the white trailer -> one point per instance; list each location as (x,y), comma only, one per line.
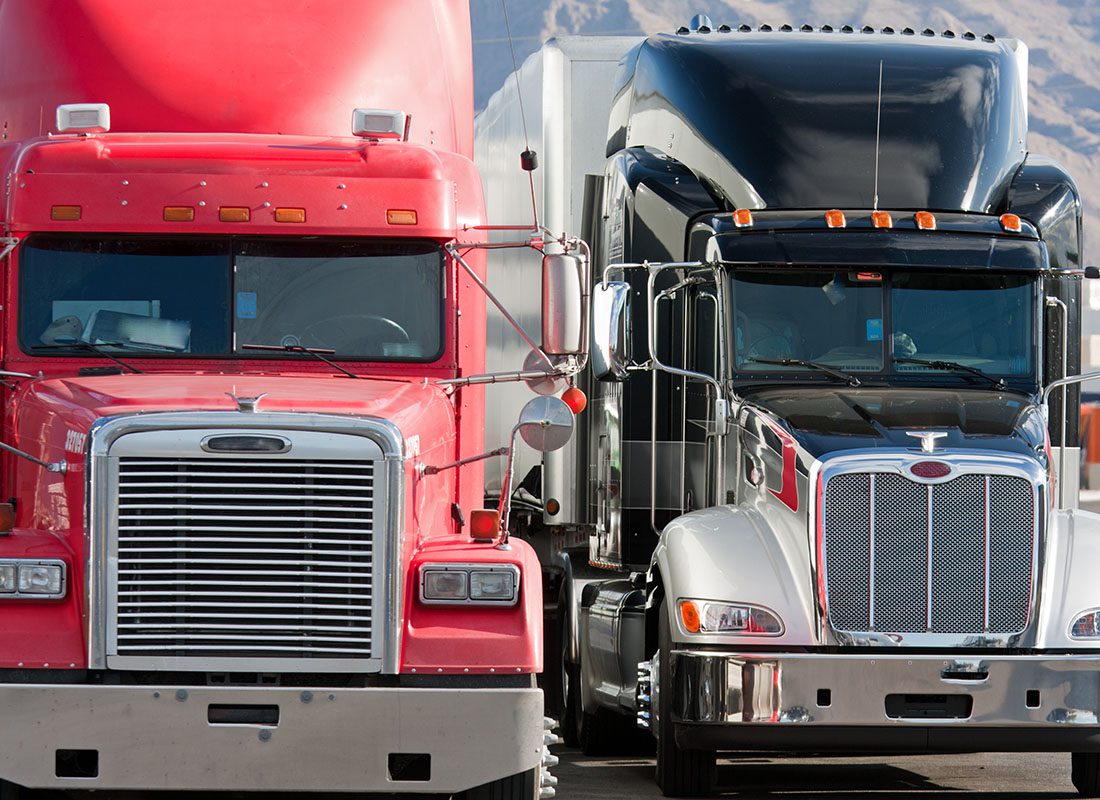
(557,105)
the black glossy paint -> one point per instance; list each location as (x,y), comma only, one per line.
(788,120)
(828,420)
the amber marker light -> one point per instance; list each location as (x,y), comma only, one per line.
(834,218)
(1011,223)
(689,615)
(401,216)
(290,215)
(742,218)
(484,524)
(66,213)
(7,518)
(926,220)
(882,219)
(234,214)
(179,214)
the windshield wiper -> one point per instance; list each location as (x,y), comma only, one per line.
(89,346)
(851,380)
(953,366)
(317,352)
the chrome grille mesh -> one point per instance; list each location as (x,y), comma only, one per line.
(245,557)
(909,557)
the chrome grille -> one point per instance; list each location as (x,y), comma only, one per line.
(245,557)
(909,557)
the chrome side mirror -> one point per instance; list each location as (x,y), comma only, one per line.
(545,423)
(610,330)
(563,304)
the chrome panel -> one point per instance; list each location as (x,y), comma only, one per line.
(173,433)
(979,574)
(327,740)
(733,689)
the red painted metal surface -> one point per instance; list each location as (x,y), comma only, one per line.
(249,104)
(247,66)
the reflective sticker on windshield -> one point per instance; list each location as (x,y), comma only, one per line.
(246,305)
(874,330)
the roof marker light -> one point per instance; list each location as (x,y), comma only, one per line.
(401,216)
(290,215)
(834,218)
(926,220)
(1011,223)
(179,214)
(742,218)
(882,219)
(83,118)
(234,214)
(66,213)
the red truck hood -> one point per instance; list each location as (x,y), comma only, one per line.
(74,403)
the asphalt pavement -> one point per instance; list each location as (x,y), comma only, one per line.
(990,776)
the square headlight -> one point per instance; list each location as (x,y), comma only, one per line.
(41,579)
(7,578)
(496,584)
(444,584)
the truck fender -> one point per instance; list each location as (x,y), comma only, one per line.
(1069,586)
(733,554)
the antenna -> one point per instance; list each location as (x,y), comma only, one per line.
(528,159)
(878,131)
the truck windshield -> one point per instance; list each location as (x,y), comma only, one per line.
(377,300)
(957,325)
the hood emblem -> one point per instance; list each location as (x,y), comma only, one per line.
(247,405)
(928,439)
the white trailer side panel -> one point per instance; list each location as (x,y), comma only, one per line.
(566,94)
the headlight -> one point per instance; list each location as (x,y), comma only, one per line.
(469,584)
(708,616)
(1086,626)
(32,579)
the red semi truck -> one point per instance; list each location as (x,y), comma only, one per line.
(242,320)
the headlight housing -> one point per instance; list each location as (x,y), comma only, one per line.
(32,579)
(469,584)
(710,616)
(1086,626)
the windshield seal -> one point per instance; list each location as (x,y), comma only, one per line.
(202,298)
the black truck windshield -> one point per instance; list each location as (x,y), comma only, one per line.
(962,324)
(378,300)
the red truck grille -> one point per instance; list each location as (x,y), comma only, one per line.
(245,558)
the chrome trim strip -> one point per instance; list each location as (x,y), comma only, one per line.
(986,615)
(928,575)
(871,558)
(101,514)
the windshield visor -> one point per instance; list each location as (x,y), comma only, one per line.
(377,301)
(860,321)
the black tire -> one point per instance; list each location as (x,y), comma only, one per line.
(521,786)
(680,773)
(571,713)
(566,689)
(1086,774)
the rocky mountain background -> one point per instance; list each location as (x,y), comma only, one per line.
(1063,37)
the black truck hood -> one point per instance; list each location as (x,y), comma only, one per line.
(829,419)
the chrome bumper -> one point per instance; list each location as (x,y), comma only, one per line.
(896,702)
(325,740)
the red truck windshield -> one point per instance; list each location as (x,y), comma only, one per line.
(377,300)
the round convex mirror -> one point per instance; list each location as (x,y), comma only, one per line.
(546,423)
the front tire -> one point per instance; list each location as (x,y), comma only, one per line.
(521,786)
(680,773)
(1086,774)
